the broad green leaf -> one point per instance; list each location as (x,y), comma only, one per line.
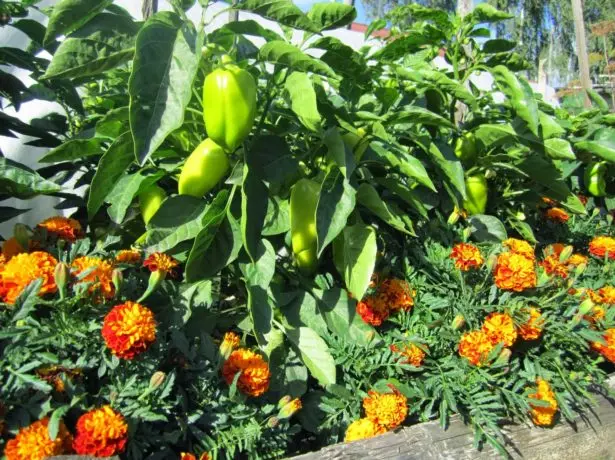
(402,191)
(549,127)
(335,204)
(179,218)
(401,47)
(356,249)
(338,153)
(277,219)
(55,419)
(113,123)
(438,80)
(485,13)
(254,198)
(597,99)
(498,45)
(287,55)
(16,180)
(559,149)
(303,311)
(8,213)
(603,144)
(343,59)
(102,44)
(166,61)
(211,222)
(69,15)
(406,163)
(416,115)
(487,228)
(449,164)
(303,100)
(520,94)
(368,196)
(74,149)
(314,353)
(329,16)
(524,229)
(284,12)
(111,167)
(271,159)
(249,27)
(125,190)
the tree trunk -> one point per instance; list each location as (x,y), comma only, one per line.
(149,8)
(579,26)
(233,15)
(464,7)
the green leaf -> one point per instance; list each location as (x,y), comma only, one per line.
(487,228)
(302,310)
(403,192)
(69,15)
(550,128)
(284,12)
(602,146)
(271,159)
(498,45)
(415,115)
(277,219)
(343,59)
(178,219)
(211,222)
(329,16)
(250,27)
(27,300)
(74,149)
(338,153)
(597,99)
(335,204)
(160,86)
(111,167)
(287,55)
(439,80)
(18,181)
(368,196)
(102,44)
(315,354)
(356,250)
(520,94)
(303,100)
(254,198)
(524,229)
(55,419)
(125,190)
(113,123)
(405,163)
(485,13)
(559,149)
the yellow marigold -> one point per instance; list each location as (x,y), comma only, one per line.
(128,256)
(499,327)
(22,269)
(514,272)
(532,329)
(254,377)
(62,228)
(129,329)
(597,313)
(413,354)
(229,343)
(99,273)
(475,346)
(33,442)
(603,246)
(386,409)
(397,294)
(577,259)
(101,432)
(543,415)
(466,256)
(607,295)
(520,247)
(557,215)
(553,266)
(606,349)
(362,429)
(12,247)
(160,262)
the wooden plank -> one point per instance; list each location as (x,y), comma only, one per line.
(591,437)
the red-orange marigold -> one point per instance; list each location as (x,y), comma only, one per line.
(33,442)
(603,246)
(520,247)
(413,354)
(606,349)
(514,272)
(129,329)
(254,378)
(21,270)
(160,262)
(557,215)
(101,433)
(128,256)
(553,266)
(396,294)
(373,310)
(532,329)
(99,274)
(11,248)
(466,256)
(500,328)
(62,228)
(475,346)
(607,295)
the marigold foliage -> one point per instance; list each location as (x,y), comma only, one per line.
(22,270)
(363,428)
(129,329)
(254,377)
(33,442)
(466,256)
(102,432)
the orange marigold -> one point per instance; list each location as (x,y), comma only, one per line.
(597,313)
(362,429)
(101,432)
(33,442)
(128,256)
(532,329)
(557,215)
(475,346)
(396,294)
(129,329)
(553,266)
(386,409)
(255,375)
(520,247)
(499,327)
(577,259)
(160,262)
(22,269)
(96,271)
(62,228)
(413,354)
(543,415)
(603,246)
(607,295)
(466,256)
(514,272)
(373,310)
(12,247)
(188,456)
(606,349)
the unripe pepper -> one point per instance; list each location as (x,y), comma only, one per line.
(594,178)
(465,149)
(229,105)
(303,200)
(204,168)
(476,194)
(150,201)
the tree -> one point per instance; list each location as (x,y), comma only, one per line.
(378,8)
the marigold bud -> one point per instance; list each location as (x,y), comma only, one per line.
(117,278)
(273,422)
(61,275)
(283,401)
(503,357)
(22,234)
(453,218)
(228,344)
(491,261)
(289,409)
(157,379)
(586,306)
(566,253)
(458,322)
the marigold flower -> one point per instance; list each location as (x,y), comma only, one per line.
(101,432)
(543,415)
(603,246)
(396,294)
(12,247)
(499,327)
(188,456)
(520,247)
(607,295)
(532,329)
(229,343)
(255,375)
(129,329)
(553,266)
(99,274)
(413,354)
(373,310)
(160,262)
(549,201)
(577,259)
(475,346)
(386,409)
(606,349)
(363,428)
(128,256)
(597,313)
(557,215)
(466,256)
(62,228)
(22,269)
(514,272)
(583,199)
(33,442)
